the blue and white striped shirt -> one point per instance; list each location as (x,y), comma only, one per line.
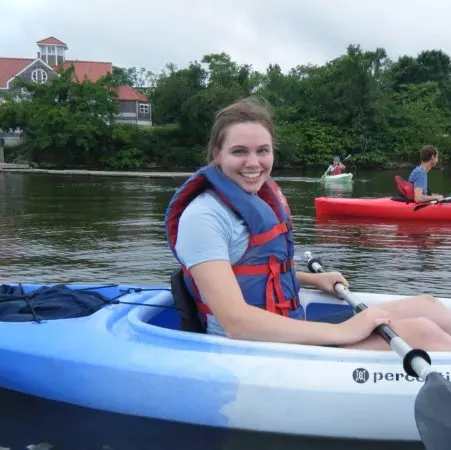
(419,178)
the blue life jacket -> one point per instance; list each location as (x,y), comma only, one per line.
(266,272)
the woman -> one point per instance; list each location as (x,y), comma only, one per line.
(230,228)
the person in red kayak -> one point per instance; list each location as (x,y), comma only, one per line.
(419,175)
(337,167)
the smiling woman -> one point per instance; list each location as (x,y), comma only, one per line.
(243,150)
(230,228)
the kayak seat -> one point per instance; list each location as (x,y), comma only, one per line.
(405,189)
(186,306)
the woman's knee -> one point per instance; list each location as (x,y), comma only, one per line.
(421,332)
(420,328)
(427,299)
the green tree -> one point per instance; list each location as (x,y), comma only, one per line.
(64,120)
(173,89)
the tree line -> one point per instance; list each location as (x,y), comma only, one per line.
(381,111)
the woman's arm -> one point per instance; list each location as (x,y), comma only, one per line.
(220,290)
(323,281)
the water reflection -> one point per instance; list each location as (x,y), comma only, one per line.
(377,233)
(338,189)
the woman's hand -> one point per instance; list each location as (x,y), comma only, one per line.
(359,327)
(326,281)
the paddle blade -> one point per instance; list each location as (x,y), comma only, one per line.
(421,205)
(433,412)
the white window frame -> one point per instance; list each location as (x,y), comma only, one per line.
(39,76)
(144,108)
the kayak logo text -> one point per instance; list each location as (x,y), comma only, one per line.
(362,375)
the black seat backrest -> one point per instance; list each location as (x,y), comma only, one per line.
(189,318)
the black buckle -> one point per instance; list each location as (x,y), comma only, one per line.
(289,224)
(295,302)
(286,266)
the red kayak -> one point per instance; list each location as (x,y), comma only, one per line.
(380,207)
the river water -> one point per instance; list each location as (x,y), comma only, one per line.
(78,228)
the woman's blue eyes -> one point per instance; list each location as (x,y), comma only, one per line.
(243,151)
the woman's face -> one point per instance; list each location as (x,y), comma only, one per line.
(247,155)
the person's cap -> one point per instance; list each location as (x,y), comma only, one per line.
(336,158)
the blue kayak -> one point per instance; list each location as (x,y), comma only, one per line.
(127,355)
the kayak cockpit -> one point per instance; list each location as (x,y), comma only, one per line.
(166,312)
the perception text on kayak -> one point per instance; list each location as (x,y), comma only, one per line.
(362,375)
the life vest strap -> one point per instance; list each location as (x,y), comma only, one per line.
(277,230)
(262,269)
(202,308)
(273,289)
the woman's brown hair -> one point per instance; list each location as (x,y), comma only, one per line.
(250,109)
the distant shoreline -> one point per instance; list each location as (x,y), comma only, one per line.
(116,173)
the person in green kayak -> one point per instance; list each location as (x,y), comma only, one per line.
(336,168)
(419,175)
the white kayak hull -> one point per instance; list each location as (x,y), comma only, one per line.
(154,370)
(342,178)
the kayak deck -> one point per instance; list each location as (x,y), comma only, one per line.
(383,207)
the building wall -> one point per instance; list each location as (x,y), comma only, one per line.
(147,115)
(127,113)
(27,75)
(127,107)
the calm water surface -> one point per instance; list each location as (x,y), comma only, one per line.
(66,228)
(104,229)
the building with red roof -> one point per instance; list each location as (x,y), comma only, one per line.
(134,106)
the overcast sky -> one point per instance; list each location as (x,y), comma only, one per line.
(151,33)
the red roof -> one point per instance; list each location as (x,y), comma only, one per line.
(10,67)
(126,92)
(52,41)
(92,70)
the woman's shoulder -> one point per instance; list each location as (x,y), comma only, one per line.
(205,231)
(208,203)
(208,209)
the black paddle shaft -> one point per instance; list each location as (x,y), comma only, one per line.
(384,330)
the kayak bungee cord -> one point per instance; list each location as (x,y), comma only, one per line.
(33,300)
